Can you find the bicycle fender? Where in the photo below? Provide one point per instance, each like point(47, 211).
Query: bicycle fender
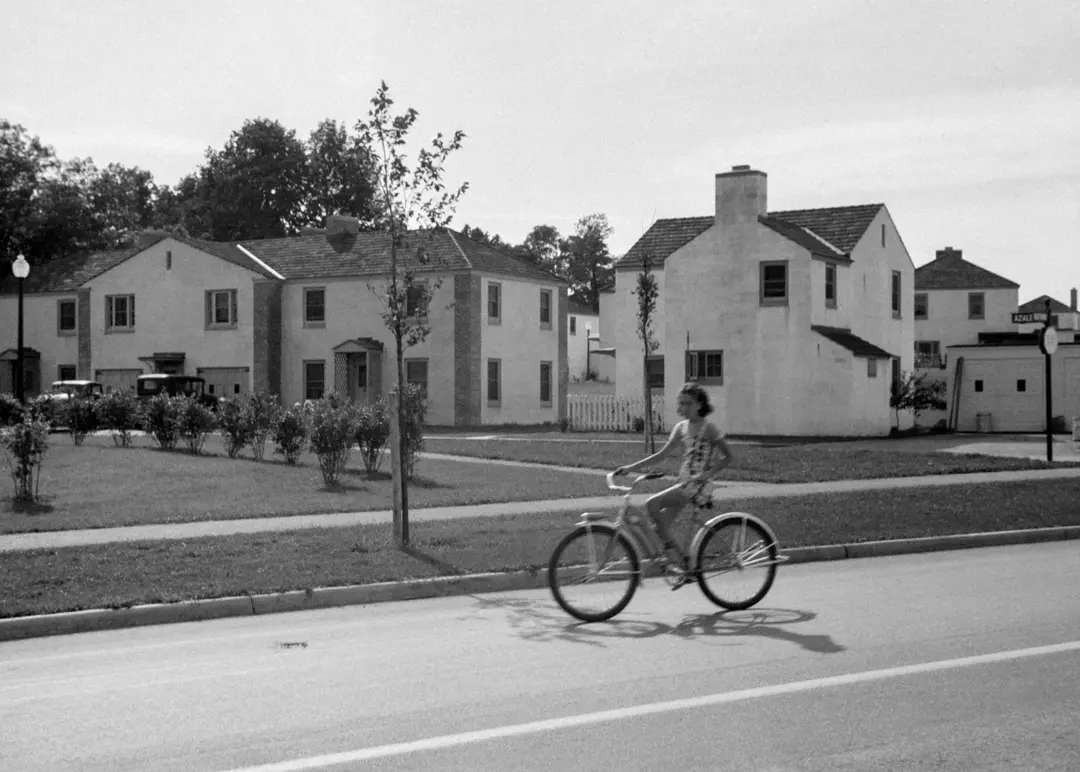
point(741, 516)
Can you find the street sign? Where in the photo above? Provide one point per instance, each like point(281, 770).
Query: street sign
point(1048, 343)
point(1028, 317)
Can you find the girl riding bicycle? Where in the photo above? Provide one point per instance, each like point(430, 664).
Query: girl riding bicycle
point(704, 454)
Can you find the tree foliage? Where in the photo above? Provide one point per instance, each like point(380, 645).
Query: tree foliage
point(918, 393)
point(647, 293)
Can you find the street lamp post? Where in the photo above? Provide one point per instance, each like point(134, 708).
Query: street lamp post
point(21, 269)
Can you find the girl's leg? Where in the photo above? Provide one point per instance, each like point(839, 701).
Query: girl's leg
point(664, 507)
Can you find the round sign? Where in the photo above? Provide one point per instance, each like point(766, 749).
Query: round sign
point(1049, 341)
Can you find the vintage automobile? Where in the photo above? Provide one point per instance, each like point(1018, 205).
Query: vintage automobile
point(149, 386)
point(51, 402)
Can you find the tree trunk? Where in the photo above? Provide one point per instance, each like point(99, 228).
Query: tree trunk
point(650, 442)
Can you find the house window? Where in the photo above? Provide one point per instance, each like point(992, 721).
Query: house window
point(921, 305)
point(774, 283)
point(1021, 385)
point(654, 367)
point(976, 305)
point(494, 303)
point(830, 285)
point(314, 306)
point(119, 313)
point(883, 234)
point(871, 367)
point(928, 354)
point(416, 372)
point(978, 385)
point(221, 309)
point(895, 375)
point(494, 382)
point(416, 299)
point(314, 379)
point(545, 309)
point(545, 383)
point(705, 366)
point(66, 319)
point(896, 294)
point(573, 325)
point(66, 373)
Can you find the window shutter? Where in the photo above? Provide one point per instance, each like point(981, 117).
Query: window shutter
point(208, 308)
point(131, 311)
point(108, 313)
point(232, 301)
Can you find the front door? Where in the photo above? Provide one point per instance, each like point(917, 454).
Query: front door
point(358, 364)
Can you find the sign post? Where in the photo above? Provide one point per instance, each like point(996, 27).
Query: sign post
point(1048, 345)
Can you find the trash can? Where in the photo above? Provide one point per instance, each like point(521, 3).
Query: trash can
point(983, 422)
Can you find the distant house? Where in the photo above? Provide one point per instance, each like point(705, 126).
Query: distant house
point(796, 322)
point(1066, 318)
point(583, 330)
point(298, 317)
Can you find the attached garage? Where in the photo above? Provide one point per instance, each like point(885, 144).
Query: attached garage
point(115, 380)
point(228, 382)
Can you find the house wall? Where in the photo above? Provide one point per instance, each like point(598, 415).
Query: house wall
point(577, 343)
point(621, 331)
point(170, 310)
point(520, 344)
point(947, 316)
point(40, 332)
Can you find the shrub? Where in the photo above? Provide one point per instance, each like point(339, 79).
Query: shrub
point(262, 410)
point(25, 445)
point(11, 410)
point(372, 433)
point(333, 428)
point(413, 413)
point(290, 433)
point(161, 420)
point(118, 411)
point(197, 421)
point(79, 417)
point(234, 425)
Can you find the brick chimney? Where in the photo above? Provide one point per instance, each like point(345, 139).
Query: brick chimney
point(342, 225)
point(741, 196)
point(948, 252)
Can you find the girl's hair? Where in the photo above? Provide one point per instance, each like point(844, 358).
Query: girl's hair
point(697, 392)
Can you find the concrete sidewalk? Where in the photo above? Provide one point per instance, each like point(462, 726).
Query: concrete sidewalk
point(726, 491)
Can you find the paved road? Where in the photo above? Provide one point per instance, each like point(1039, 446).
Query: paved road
point(946, 661)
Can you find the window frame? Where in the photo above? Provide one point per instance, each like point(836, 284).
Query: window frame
point(930, 355)
point(62, 331)
point(546, 294)
point(211, 309)
point(871, 367)
point(73, 369)
point(110, 313)
point(830, 279)
point(308, 381)
point(495, 318)
point(925, 305)
point(307, 306)
point(497, 401)
point(763, 298)
point(573, 325)
point(698, 360)
point(410, 306)
point(981, 296)
point(896, 294)
point(416, 361)
point(546, 383)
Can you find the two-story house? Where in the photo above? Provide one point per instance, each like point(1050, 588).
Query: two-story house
point(1066, 318)
point(583, 331)
point(796, 322)
point(302, 316)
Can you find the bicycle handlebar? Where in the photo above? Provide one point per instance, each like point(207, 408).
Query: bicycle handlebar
point(627, 488)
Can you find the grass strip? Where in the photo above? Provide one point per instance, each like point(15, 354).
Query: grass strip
point(125, 574)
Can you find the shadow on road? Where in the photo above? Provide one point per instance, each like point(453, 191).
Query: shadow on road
point(536, 620)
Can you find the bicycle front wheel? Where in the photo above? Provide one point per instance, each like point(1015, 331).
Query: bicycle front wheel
point(593, 573)
point(736, 563)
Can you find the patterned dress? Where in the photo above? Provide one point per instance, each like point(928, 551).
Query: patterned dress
point(698, 453)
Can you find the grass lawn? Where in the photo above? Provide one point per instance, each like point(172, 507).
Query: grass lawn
point(753, 463)
point(43, 581)
point(99, 485)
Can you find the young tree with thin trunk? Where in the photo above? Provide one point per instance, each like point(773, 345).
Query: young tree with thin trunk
point(647, 294)
point(417, 205)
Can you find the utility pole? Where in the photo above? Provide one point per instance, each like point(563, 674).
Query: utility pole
point(1048, 345)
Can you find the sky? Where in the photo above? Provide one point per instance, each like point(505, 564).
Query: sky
point(962, 117)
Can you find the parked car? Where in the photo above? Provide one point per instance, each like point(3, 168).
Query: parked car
point(60, 392)
point(149, 386)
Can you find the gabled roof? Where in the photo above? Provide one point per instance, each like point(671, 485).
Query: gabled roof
point(829, 232)
point(1039, 304)
point(314, 256)
point(950, 271)
point(230, 253)
point(68, 273)
point(853, 343)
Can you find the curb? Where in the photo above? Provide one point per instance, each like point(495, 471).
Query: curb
point(71, 622)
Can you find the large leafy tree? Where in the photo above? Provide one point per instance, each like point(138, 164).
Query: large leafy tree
point(588, 262)
point(341, 177)
point(24, 162)
point(544, 247)
point(121, 201)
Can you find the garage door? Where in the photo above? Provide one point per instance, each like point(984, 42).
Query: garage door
point(228, 382)
point(1009, 390)
point(114, 380)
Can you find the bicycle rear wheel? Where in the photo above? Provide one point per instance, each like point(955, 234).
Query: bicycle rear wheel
point(593, 573)
point(736, 563)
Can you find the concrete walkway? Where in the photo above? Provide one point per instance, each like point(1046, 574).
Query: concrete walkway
point(726, 492)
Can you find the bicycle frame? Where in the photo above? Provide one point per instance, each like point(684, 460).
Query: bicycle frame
point(742, 517)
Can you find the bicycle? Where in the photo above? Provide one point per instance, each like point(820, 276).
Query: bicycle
point(602, 553)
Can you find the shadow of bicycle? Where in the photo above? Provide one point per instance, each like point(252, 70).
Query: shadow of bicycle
point(536, 620)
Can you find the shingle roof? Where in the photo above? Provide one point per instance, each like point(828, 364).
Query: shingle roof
point(831, 232)
point(229, 253)
point(1039, 304)
point(68, 273)
point(313, 256)
point(951, 271)
point(853, 343)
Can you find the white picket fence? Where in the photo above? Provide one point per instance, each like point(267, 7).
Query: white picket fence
point(609, 413)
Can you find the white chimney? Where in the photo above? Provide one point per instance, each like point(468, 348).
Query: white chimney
point(741, 196)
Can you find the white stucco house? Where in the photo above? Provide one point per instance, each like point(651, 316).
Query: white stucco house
point(583, 332)
point(297, 316)
point(796, 322)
